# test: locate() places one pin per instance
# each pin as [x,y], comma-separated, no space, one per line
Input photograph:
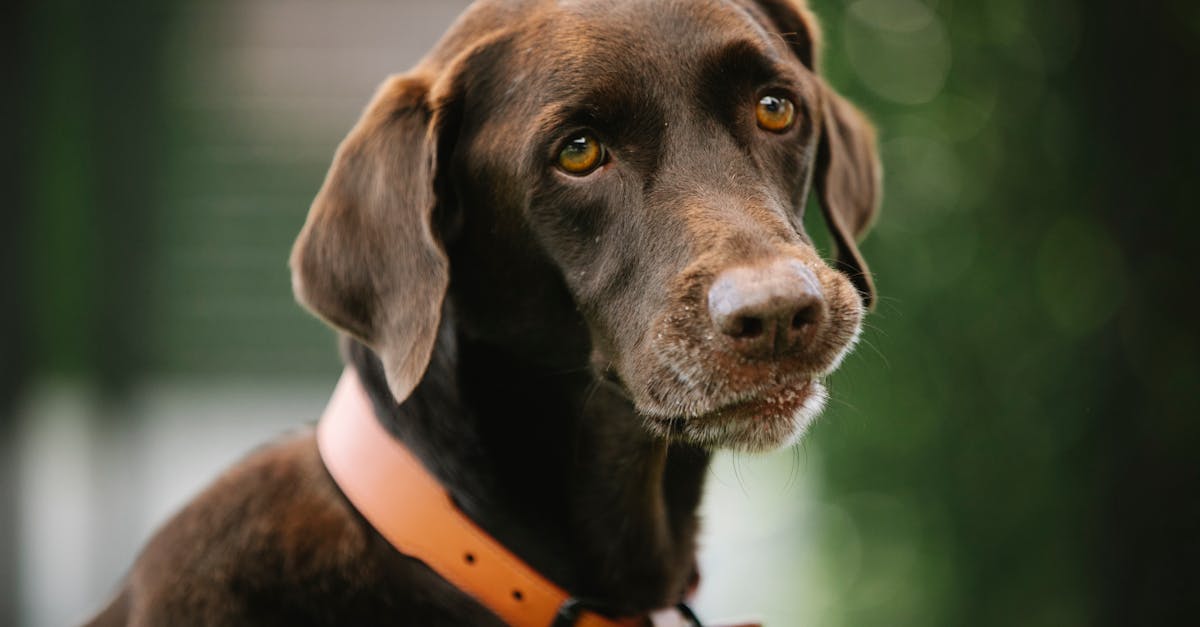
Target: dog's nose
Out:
[767,310]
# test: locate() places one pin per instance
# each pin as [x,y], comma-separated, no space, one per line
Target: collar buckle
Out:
[688,614]
[572,610]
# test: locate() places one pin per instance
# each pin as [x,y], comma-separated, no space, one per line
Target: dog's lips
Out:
[770,418]
[779,402]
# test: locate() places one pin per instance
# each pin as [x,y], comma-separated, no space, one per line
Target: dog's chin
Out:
[767,421]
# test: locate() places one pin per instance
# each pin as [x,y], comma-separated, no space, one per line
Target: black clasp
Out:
[568,613]
[571,609]
[689,614]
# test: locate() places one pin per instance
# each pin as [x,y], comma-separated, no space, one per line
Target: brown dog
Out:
[567,254]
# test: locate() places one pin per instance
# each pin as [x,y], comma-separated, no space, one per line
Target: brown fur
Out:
[548,337]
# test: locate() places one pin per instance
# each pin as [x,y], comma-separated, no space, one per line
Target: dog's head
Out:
[616,180]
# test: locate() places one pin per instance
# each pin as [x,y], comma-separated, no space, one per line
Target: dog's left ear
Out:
[368,260]
[848,175]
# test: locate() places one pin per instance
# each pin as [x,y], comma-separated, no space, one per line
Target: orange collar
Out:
[413,512]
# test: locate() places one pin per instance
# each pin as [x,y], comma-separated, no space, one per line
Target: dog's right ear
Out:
[368,260]
[848,175]
[797,25]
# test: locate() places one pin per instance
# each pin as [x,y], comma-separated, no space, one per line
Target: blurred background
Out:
[1013,443]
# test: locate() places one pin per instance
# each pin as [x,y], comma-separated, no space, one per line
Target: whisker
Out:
[794,471]
[875,349]
[737,473]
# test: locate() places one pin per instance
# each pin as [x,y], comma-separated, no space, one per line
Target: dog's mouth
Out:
[706,404]
[782,401]
[769,419]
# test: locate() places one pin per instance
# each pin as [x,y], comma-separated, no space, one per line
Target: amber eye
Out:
[776,114]
[581,155]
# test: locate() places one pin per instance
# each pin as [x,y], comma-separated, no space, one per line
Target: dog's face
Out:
[629,173]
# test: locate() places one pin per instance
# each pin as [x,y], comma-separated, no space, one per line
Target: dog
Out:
[566,258]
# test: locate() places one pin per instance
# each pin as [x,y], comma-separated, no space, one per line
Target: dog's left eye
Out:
[775,114]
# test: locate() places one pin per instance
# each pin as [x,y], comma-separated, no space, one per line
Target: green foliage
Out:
[966,455]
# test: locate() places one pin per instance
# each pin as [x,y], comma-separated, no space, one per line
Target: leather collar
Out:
[413,512]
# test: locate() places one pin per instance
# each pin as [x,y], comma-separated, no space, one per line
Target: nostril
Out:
[805,317]
[767,310]
[746,328]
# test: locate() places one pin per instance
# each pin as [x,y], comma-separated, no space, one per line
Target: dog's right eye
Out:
[581,155]
[775,114]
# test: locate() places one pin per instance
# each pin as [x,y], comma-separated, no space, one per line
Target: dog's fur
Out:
[543,342]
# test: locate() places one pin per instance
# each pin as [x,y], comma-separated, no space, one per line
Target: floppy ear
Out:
[367,260]
[795,23]
[849,181]
[848,175]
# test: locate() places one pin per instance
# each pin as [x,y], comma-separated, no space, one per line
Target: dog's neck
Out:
[555,466]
